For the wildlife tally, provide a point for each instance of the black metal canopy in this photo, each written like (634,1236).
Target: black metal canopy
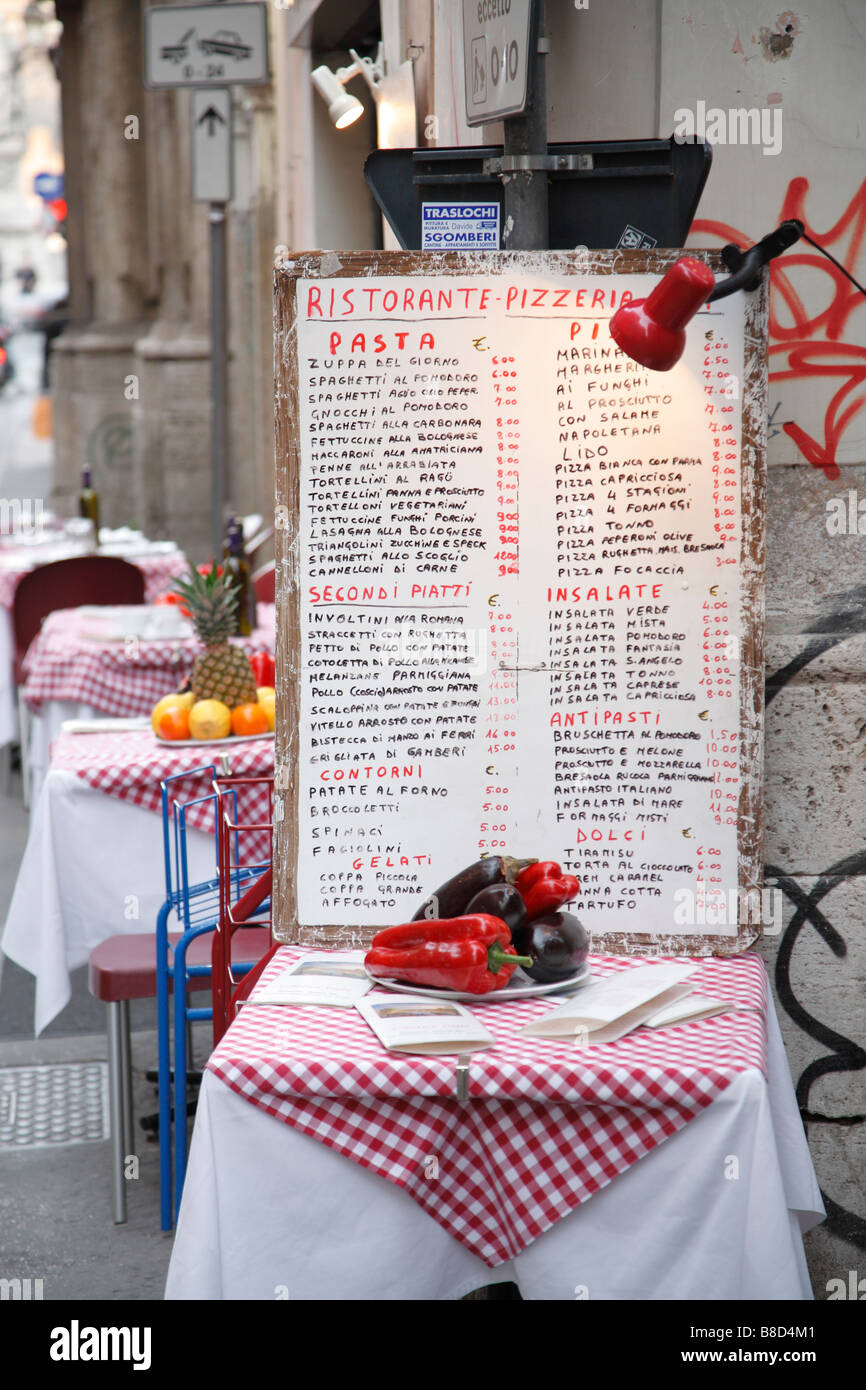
(601,193)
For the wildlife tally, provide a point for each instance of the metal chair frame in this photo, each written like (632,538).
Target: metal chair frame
(196,905)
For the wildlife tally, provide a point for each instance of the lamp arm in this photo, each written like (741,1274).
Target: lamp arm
(746,266)
(371,69)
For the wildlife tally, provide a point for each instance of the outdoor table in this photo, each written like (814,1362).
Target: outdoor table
(93,865)
(160,563)
(72,674)
(671,1164)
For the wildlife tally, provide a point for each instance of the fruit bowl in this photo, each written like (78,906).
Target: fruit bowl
(178,719)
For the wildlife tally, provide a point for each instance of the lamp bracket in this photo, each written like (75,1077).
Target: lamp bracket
(746,266)
(371,69)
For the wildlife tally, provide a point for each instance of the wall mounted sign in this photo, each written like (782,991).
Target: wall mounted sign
(461,226)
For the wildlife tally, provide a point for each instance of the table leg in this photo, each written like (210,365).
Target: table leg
(116,1106)
(126,1079)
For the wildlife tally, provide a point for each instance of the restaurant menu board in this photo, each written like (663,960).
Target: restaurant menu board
(523,574)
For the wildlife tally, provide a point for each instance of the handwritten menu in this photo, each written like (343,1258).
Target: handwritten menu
(521,605)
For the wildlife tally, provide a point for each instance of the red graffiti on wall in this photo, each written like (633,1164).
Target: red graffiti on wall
(811,346)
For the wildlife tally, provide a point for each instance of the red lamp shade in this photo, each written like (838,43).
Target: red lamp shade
(652,331)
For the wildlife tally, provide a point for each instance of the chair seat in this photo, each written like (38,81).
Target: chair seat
(124,967)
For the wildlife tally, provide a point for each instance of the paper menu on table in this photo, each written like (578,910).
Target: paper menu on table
(610,1008)
(105,726)
(407,1023)
(335,978)
(686,1010)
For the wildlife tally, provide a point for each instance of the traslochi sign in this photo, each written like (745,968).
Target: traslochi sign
(205,45)
(495,58)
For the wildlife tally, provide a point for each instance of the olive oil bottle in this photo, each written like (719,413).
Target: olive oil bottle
(88,502)
(238,566)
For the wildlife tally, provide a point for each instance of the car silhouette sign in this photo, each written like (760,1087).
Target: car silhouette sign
(206,45)
(225,42)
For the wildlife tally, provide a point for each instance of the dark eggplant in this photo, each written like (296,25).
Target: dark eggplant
(557,944)
(501,900)
(452,898)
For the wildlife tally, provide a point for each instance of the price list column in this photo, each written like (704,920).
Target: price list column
(719,611)
(500,728)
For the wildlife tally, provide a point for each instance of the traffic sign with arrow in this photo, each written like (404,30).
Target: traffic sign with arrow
(211,145)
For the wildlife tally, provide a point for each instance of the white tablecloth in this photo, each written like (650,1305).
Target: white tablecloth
(44,729)
(270,1213)
(92,868)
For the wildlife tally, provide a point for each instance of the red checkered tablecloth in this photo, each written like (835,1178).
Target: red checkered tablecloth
(124,679)
(546,1124)
(131,766)
(159,572)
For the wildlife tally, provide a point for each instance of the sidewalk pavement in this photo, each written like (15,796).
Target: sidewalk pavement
(55,1201)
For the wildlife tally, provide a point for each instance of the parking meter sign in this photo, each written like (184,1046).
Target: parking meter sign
(496,36)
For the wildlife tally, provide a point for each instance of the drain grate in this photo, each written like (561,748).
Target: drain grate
(63,1103)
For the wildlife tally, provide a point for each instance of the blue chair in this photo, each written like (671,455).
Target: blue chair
(195,904)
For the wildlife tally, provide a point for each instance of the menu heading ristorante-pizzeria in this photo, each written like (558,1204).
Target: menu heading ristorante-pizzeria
(520,597)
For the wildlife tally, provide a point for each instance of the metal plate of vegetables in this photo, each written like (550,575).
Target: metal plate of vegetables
(518,987)
(470,938)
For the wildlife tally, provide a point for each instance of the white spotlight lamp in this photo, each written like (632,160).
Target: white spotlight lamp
(344,109)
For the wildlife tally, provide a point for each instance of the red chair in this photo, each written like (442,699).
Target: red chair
(263,583)
(245,880)
(96,579)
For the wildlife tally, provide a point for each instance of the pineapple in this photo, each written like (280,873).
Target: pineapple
(223,672)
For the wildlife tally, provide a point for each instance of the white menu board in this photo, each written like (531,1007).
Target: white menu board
(521,598)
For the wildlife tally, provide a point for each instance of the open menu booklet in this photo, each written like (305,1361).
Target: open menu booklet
(336,978)
(654,996)
(409,1023)
(401,1022)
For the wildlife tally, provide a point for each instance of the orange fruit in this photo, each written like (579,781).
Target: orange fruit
(249,719)
(173,701)
(210,719)
(174,723)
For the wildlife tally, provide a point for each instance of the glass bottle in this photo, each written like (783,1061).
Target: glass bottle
(88,502)
(237,565)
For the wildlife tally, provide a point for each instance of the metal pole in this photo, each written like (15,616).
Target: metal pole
(219,372)
(525,196)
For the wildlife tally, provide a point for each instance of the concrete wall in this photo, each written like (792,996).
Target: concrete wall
(627,69)
(803,68)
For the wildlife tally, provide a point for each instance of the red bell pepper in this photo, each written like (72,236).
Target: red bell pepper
(172,598)
(544,887)
(473,954)
(264,669)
